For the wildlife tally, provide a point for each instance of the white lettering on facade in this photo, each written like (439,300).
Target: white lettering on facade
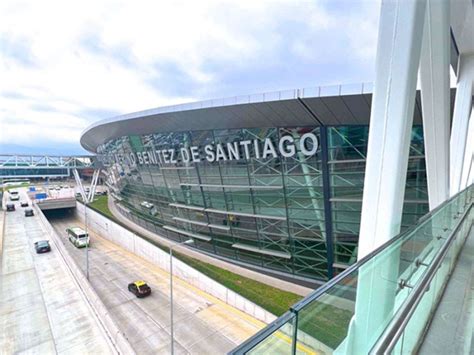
(185,155)
(233,149)
(314,146)
(133,159)
(289,150)
(145,158)
(172,159)
(256,148)
(195,154)
(268,149)
(210,156)
(152,157)
(246,149)
(246,144)
(139,156)
(158,154)
(220,154)
(165,155)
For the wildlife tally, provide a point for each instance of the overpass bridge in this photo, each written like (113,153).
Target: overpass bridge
(42,166)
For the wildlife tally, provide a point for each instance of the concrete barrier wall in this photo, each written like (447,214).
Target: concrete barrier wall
(116,337)
(2,229)
(140,247)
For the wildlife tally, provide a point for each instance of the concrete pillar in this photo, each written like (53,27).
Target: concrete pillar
(435,98)
(462,111)
(391,119)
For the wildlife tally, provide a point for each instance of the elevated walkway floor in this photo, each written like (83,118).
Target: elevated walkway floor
(451,330)
(41,308)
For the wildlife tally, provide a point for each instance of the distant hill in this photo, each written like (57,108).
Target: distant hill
(62,149)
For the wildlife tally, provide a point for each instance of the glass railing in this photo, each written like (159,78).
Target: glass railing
(382,303)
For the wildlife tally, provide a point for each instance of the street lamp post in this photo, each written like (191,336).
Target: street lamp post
(189,241)
(87,240)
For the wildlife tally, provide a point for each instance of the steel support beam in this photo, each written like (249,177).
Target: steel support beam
(398,57)
(462,111)
(79,184)
(468,162)
(435,98)
(95,179)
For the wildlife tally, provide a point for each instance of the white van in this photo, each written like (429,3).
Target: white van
(78,237)
(14,196)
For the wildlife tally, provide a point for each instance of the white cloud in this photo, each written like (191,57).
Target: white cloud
(61,59)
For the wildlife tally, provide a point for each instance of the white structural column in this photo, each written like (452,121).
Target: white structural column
(391,119)
(435,98)
(398,57)
(468,164)
(462,111)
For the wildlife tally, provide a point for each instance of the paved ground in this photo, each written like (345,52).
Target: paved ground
(202,323)
(451,331)
(41,308)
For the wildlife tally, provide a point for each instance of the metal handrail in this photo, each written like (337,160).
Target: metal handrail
(396,327)
(277,323)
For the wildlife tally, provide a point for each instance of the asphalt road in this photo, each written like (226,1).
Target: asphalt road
(42,310)
(202,323)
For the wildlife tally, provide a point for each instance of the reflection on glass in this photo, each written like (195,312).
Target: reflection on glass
(273,204)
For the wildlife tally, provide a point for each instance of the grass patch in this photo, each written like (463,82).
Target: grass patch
(101,205)
(324,322)
(269,298)
(6,188)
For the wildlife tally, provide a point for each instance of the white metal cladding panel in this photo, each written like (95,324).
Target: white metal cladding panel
(281,113)
(336,109)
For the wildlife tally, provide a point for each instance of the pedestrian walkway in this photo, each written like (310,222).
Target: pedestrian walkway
(41,310)
(451,330)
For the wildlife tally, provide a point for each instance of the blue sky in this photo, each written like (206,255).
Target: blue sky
(65,65)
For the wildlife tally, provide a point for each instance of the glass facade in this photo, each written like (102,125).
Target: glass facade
(296,214)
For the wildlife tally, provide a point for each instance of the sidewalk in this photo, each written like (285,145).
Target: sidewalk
(271,281)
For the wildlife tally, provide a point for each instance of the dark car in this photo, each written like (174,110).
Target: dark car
(42,246)
(29,212)
(10,207)
(139,289)
(24,204)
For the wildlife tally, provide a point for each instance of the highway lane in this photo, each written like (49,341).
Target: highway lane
(42,311)
(202,323)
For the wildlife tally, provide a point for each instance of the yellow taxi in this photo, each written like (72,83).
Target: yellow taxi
(139,288)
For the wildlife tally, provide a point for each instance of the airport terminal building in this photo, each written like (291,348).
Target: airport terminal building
(271,181)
